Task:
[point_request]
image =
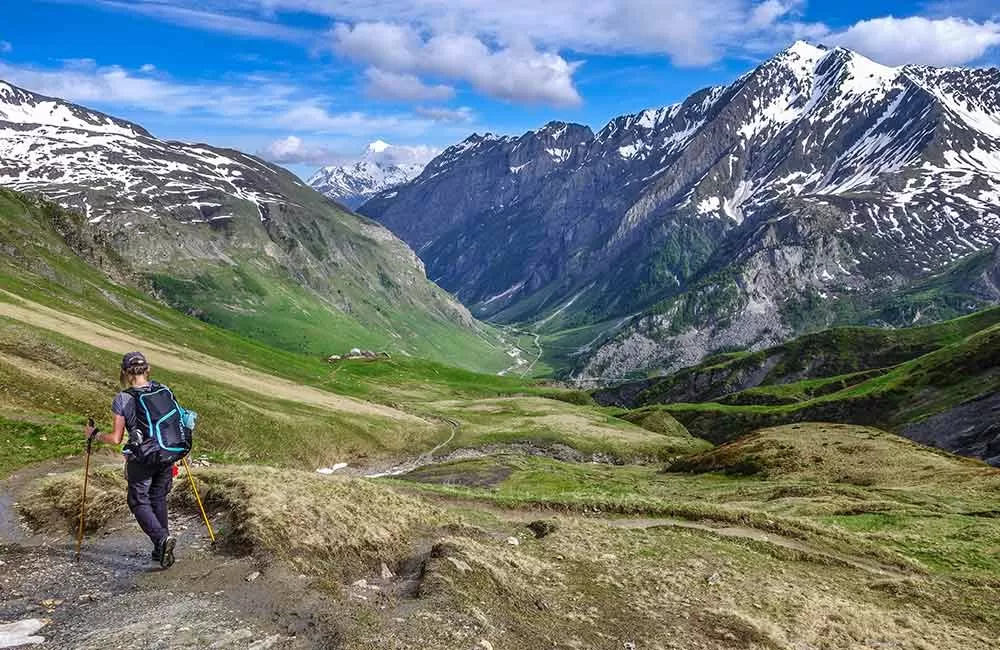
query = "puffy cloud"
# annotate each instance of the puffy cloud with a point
(768, 12)
(293, 151)
(148, 68)
(394, 154)
(690, 32)
(939, 42)
(516, 50)
(460, 115)
(518, 73)
(6, 47)
(312, 117)
(394, 85)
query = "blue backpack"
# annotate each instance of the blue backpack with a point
(164, 431)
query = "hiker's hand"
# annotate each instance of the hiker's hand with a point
(91, 430)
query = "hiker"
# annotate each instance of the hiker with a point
(157, 437)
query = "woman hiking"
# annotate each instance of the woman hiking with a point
(148, 417)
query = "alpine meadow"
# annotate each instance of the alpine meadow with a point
(709, 360)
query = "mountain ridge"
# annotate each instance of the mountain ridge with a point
(235, 240)
(818, 173)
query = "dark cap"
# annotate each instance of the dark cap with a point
(133, 360)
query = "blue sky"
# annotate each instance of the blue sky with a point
(304, 82)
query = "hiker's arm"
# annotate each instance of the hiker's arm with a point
(117, 432)
(116, 435)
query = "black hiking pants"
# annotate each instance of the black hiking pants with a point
(148, 486)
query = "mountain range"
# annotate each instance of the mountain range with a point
(233, 239)
(382, 167)
(819, 188)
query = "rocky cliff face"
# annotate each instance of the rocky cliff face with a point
(744, 214)
(185, 211)
(987, 285)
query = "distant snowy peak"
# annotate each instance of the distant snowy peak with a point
(353, 184)
(382, 167)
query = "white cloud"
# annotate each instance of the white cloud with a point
(768, 12)
(147, 68)
(689, 32)
(518, 73)
(395, 154)
(460, 115)
(311, 117)
(176, 13)
(256, 103)
(939, 42)
(392, 85)
(6, 47)
(293, 151)
(527, 51)
(86, 82)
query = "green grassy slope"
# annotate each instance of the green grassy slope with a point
(50, 255)
(896, 398)
(842, 488)
(811, 363)
(64, 323)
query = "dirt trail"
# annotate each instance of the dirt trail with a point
(730, 531)
(115, 597)
(190, 361)
(422, 460)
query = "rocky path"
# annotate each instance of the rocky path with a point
(115, 597)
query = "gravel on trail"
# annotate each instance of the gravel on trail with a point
(116, 597)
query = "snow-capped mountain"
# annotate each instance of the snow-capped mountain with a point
(382, 167)
(797, 196)
(204, 223)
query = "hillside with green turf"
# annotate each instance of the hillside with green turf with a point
(938, 384)
(55, 256)
(69, 308)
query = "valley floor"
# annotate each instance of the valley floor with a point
(806, 536)
(475, 511)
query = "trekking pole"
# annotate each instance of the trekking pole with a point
(197, 497)
(83, 501)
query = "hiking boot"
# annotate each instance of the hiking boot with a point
(165, 549)
(155, 554)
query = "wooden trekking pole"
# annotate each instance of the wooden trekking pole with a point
(83, 500)
(197, 497)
